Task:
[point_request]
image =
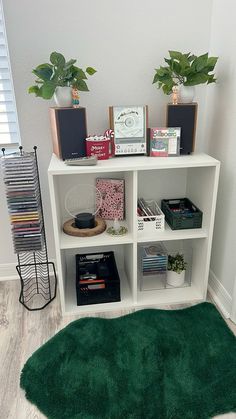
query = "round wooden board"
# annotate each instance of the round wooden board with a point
(69, 228)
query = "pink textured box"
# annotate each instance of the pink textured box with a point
(113, 198)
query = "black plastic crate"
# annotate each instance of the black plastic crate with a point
(181, 213)
(97, 278)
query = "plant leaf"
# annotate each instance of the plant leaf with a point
(168, 61)
(187, 71)
(201, 62)
(90, 70)
(176, 67)
(167, 88)
(81, 85)
(198, 78)
(48, 89)
(211, 62)
(211, 79)
(176, 55)
(80, 74)
(184, 63)
(43, 72)
(191, 57)
(57, 59)
(69, 64)
(156, 78)
(33, 89)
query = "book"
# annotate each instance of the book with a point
(112, 192)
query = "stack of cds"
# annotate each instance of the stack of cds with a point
(23, 200)
(154, 259)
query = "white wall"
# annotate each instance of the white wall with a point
(124, 40)
(221, 133)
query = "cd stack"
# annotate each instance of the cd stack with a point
(23, 200)
(154, 260)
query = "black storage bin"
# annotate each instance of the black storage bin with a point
(181, 213)
(97, 278)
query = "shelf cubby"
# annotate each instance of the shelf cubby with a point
(123, 256)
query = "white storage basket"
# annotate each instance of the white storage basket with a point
(150, 224)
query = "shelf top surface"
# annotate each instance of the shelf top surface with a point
(130, 163)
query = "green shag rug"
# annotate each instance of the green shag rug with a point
(152, 364)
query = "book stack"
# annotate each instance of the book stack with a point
(23, 200)
(154, 260)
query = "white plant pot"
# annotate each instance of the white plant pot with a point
(174, 279)
(63, 97)
(186, 94)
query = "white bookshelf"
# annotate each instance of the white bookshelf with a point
(195, 176)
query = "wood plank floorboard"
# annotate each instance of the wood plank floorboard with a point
(21, 333)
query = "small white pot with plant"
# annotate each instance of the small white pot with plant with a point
(185, 71)
(57, 79)
(176, 270)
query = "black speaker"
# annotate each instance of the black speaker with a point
(69, 130)
(184, 115)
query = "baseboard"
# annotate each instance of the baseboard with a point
(233, 311)
(219, 294)
(8, 272)
(217, 291)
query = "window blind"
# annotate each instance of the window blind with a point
(9, 127)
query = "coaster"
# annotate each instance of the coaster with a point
(69, 228)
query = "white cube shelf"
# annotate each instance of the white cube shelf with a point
(195, 176)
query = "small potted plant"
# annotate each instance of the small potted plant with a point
(185, 71)
(58, 78)
(176, 270)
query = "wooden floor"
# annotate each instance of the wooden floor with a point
(21, 333)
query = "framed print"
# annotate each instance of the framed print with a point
(164, 142)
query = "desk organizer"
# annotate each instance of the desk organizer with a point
(146, 224)
(21, 178)
(181, 213)
(97, 278)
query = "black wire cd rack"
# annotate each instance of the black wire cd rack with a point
(37, 275)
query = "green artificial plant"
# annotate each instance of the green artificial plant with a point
(186, 69)
(176, 263)
(59, 72)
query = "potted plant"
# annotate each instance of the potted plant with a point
(58, 78)
(186, 71)
(176, 270)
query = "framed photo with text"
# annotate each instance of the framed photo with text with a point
(164, 142)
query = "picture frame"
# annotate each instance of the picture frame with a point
(164, 141)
